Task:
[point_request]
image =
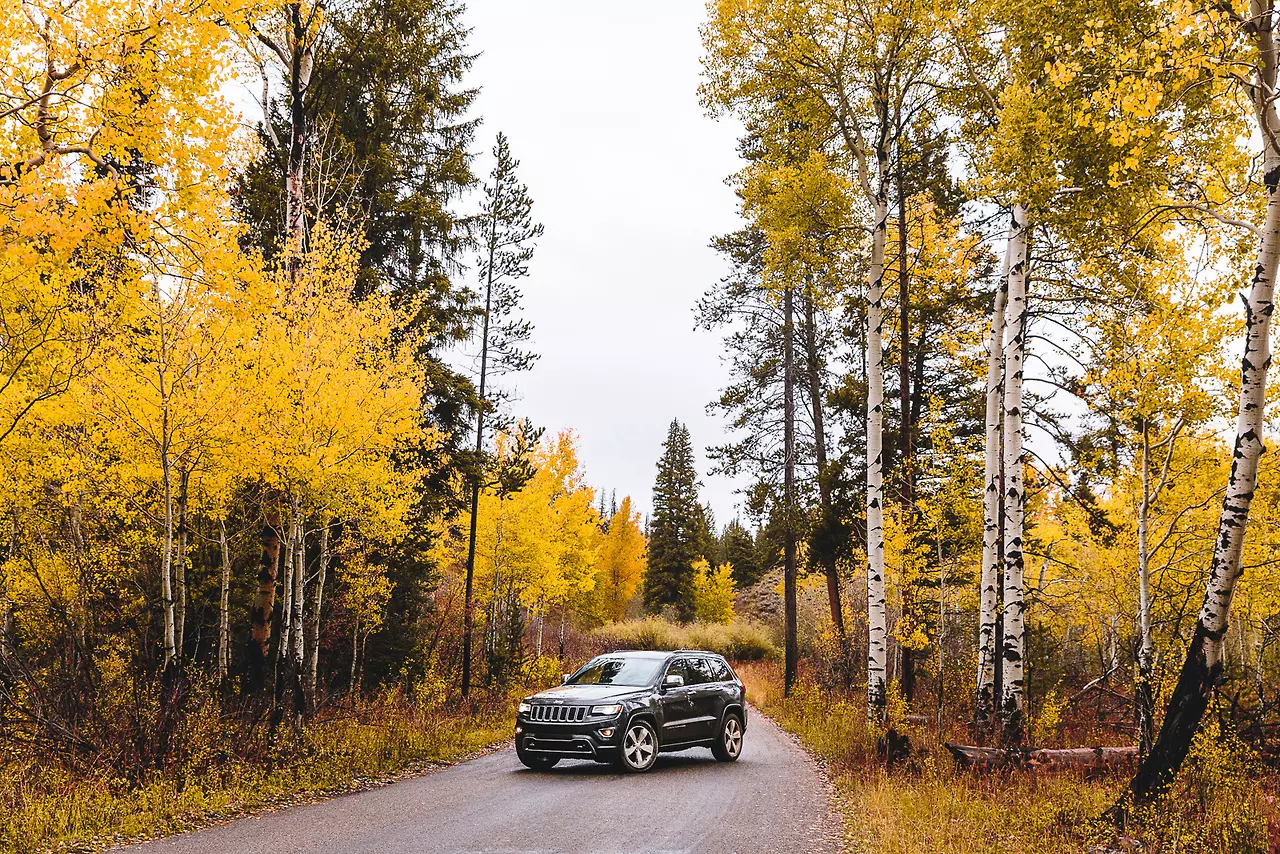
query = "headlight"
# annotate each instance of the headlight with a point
(611, 709)
(523, 708)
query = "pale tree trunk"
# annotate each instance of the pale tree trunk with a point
(298, 651)
(792, 650)
(1012, 653)
(283, 659)
(166, 562)
(1204, 663)
(989, 592)
(180, 565)
(355, 656)
(317, 602)
(877, 621)
(224, 597)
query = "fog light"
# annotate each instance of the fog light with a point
(519, 730)
(608, 733)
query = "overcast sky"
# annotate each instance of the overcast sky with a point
(599, 100)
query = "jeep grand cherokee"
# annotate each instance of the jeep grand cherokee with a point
(625, 707)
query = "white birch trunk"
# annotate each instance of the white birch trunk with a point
(1205, 657)
(286, 600)
(877, 622)
(317, 603)
(1013, 695)
(989, 595)
(166, 562)
(180, 568)
(224, 597)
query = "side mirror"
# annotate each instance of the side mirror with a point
(673, 680)
(564, 678)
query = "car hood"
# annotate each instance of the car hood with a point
(588, 693)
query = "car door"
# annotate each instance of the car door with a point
(705, 697)
(677, 704)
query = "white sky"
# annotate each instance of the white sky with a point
(599, 100)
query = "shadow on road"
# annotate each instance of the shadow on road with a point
(577, 768)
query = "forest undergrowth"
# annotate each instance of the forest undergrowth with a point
(233, 764)
(1222, 802)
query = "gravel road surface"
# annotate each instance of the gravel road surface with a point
(771, 801)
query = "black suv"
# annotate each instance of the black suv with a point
(624, 707)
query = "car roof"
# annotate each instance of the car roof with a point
(653, 653)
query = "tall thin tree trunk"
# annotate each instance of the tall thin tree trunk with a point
(877, 620)
(224, 598)
(1204, 663)
(813, 362)
(907, 674)
(355, 657)
(1144, 699)
(1013, 698)
(166, 563)
(792, 652)
(989, 590)
(468, 608)
(264, 603)
(298, 652)
(317, 603)
(180, 565)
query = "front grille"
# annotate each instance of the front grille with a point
(558, 714)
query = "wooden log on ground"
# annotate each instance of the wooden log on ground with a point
(1092, 759)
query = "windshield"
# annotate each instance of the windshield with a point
(617, 671)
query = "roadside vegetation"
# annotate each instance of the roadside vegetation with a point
(230, 767)
(272, 522)
(1222, 800)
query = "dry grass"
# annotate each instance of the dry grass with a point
(1219, 804)
(739, 640)
(47, 807)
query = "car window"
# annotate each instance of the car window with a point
(616, 670)
(701, 670)
(680, 667)
(719, 669)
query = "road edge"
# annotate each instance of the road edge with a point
(835, 801)
(206, 821)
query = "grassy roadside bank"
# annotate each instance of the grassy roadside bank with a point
(1219, 804)
(47, 807)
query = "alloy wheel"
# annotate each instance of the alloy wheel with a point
(638, 747)
(732, 737)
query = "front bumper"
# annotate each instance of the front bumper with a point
(598, 739)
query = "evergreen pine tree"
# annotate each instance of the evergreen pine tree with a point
(739, 550)
(674, 537)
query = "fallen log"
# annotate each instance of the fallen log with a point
(1093, 759)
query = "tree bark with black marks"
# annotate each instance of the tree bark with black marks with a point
(317, 604)
(224, 597)
(877, 618)
(989, 581)
(1013, 643)
(1204, 664)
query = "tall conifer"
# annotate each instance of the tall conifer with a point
(674, 539)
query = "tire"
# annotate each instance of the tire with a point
(639, 749)
(537, 763)
(728, 744)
